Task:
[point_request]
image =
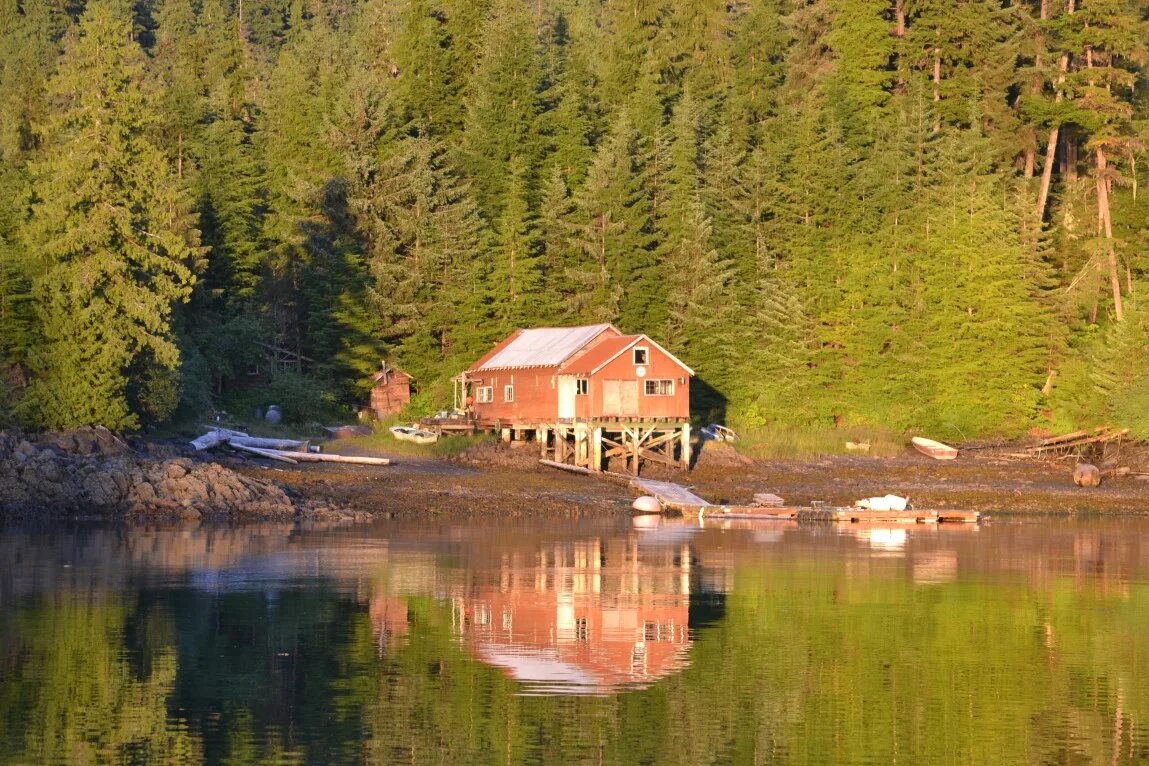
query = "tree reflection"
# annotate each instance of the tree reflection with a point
(799, 649)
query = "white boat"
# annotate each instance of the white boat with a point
(885, 503)
(718, 433)
(413, 434)
(936, 450)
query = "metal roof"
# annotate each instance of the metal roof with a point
(543, 347)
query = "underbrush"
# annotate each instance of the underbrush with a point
(805, 442)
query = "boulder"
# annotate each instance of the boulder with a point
(1087, 475)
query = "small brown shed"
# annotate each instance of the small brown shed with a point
(391, 392)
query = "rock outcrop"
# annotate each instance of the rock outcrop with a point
(91, 471)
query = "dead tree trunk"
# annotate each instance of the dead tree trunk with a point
(1110, 252)
(1051, 146)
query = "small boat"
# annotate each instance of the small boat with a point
(931, 448)
(718, 433)
(886, 503)
(413, 434)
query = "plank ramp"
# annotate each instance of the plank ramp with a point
(671, 495)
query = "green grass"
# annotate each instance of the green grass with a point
(447, 446)
(790, 442)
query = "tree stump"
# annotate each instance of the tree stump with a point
(1086, 475)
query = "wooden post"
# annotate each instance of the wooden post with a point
(581, 453)
(541, 435)
(685, 448)
(635, 441)
(506, 435)
(596, 449)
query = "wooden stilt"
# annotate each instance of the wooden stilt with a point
(684, 455)
(636, 450)
(596, 449)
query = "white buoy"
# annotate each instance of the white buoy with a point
(647, 504)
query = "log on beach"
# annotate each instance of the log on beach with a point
(209, 440)
(324, 457)
(290, 445)
(267, 453)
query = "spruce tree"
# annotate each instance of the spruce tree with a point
(116, 240)
(514, 279)
(616, 278)
(503, 103)
(428, 257)
(561, 255)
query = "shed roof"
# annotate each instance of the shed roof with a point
(608, 350)
(541, 347)
(598, 355)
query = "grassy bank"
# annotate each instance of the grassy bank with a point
(790, 443)
(381, 440)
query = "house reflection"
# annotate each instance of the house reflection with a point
(582, 617)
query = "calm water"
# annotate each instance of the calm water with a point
(576, 643)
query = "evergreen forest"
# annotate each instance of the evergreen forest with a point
(914, 214)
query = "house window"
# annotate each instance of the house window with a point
(508, 393)
(485, 394)
(582, 386)
(641, 355)
(659, 387)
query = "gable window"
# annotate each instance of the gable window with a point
(641, 354)
(582, 386)
(508, 393)
(485, 394)
(659, 387)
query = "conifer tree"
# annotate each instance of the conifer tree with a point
(424, 61)
(118, 246)
(568, 122)
(616, 278)
(428, 258)
(503, 103)
(514, 279)
(561, 256)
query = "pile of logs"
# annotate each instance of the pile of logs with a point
(283, 450)
(1076, 439)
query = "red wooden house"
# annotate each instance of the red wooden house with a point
(589, 384)
(557, 374)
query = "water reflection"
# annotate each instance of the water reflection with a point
(673, 642)
(582, 616)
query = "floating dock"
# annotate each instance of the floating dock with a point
(678, 498)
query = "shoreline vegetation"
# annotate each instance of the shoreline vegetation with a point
(847, 214)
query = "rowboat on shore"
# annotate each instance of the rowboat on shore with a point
(931, 448)
(412, 434)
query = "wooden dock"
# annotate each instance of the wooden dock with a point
(678, 498)
(845, 515)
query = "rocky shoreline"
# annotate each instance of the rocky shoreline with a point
(91, 472)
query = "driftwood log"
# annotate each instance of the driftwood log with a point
(1087, 475)
(262, 443)
(267, 453)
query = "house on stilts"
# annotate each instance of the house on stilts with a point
(585, 394)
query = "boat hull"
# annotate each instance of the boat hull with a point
(931, 448)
